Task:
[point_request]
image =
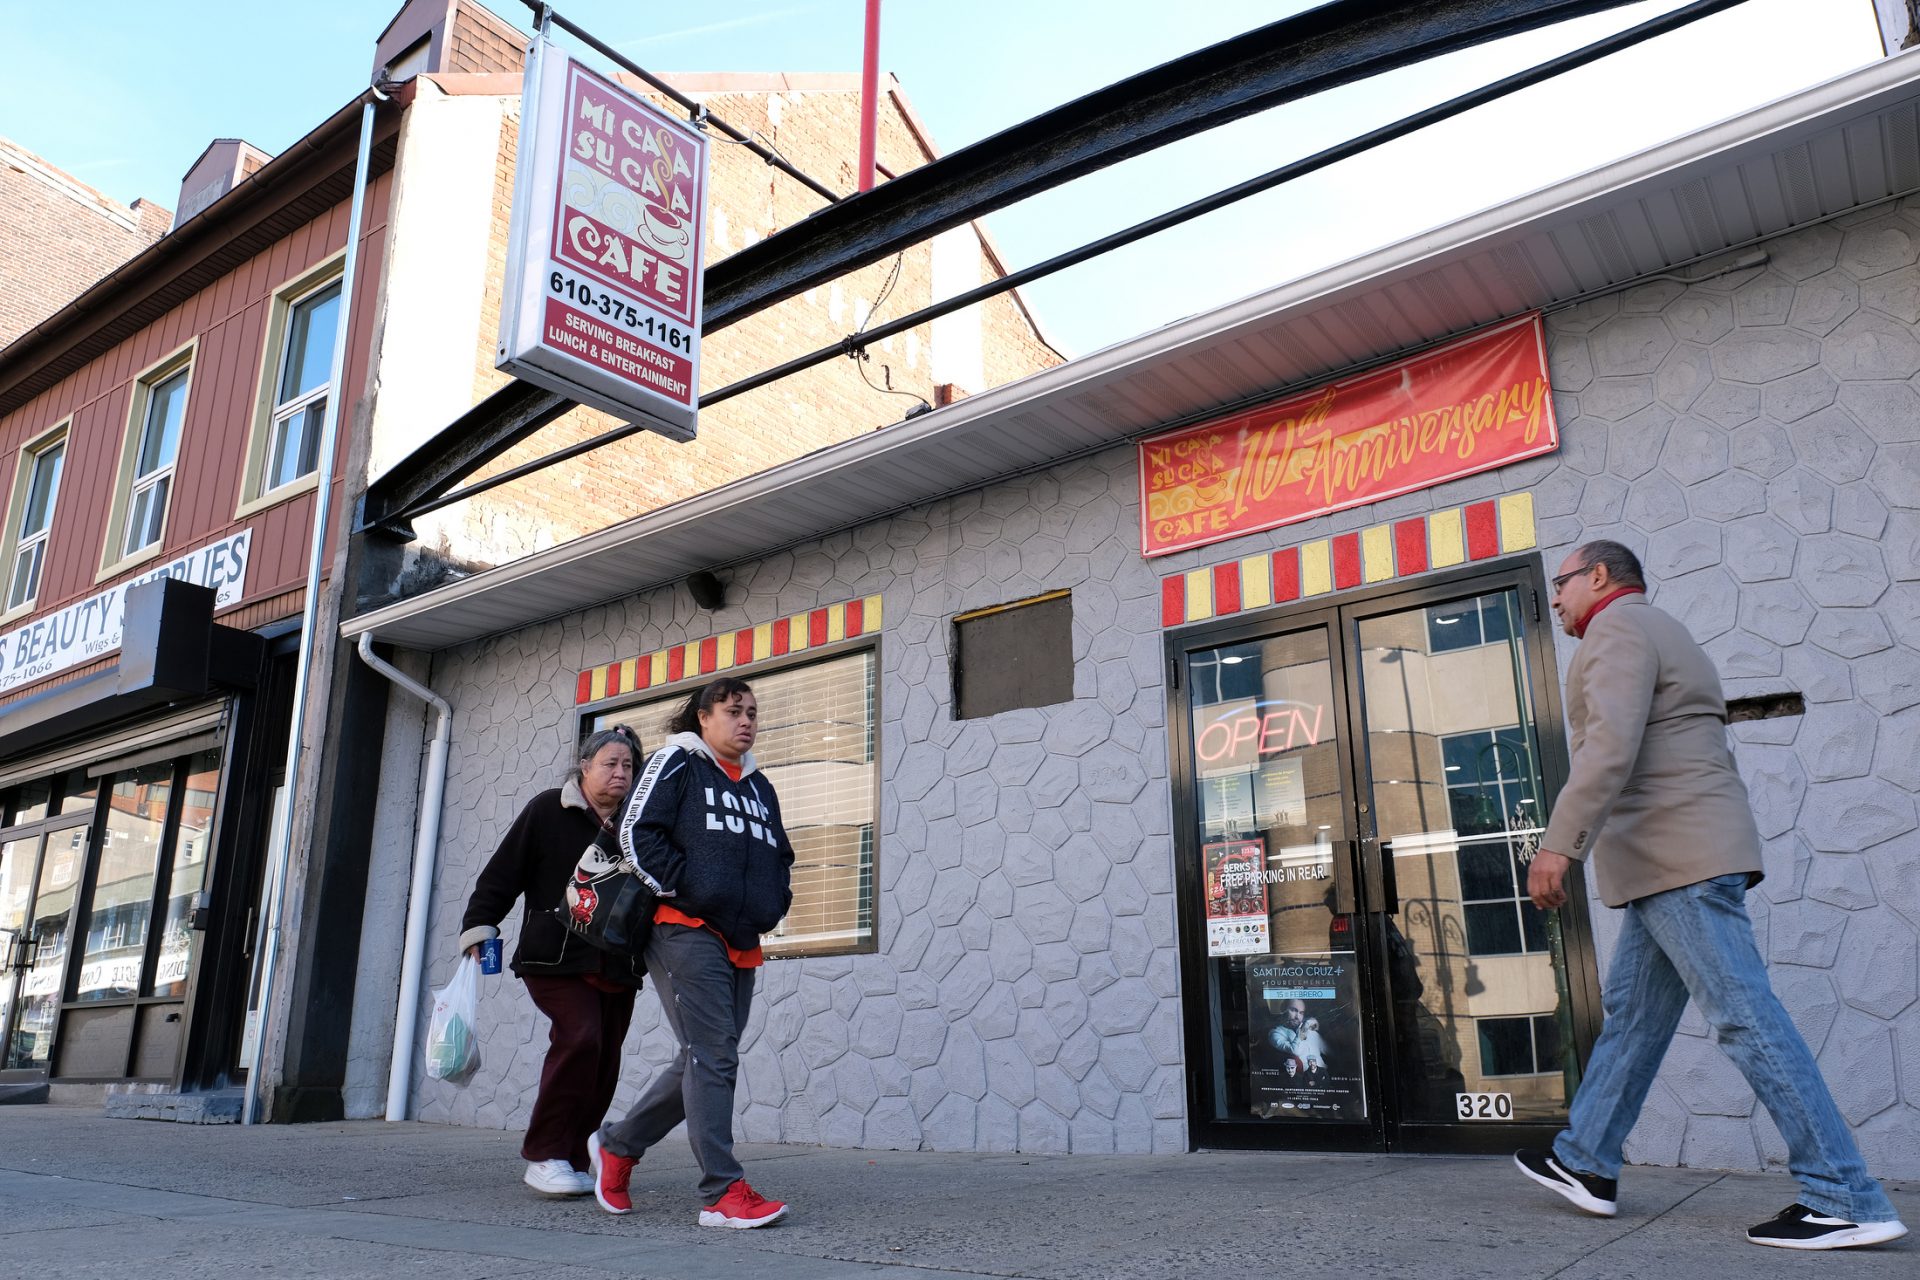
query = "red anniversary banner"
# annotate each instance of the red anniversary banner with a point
(1469, 406)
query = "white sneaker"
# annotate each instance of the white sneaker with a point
(557, 1178)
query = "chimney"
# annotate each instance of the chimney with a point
(221, 167)
(446, 35)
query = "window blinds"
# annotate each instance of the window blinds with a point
(817, 748)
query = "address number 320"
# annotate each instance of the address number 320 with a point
(1484, 1106)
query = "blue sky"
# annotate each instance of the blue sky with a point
(124, 94)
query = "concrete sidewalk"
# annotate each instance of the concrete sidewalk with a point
(81, 1195)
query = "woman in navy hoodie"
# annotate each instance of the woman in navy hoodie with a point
(702, 824)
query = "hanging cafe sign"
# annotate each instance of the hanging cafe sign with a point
(1470, 406)
(606, 254)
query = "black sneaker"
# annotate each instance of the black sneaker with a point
(1596, 1195)
(1798, 1227)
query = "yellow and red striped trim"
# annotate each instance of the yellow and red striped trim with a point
(1438, 540)
(697, 658)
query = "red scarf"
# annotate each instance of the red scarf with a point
(1580, 627)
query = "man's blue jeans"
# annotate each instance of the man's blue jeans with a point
(1698, 941)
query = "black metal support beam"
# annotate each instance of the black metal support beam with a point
(855, 344)
(1335, 44)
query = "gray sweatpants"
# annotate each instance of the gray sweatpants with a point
(706, 1001)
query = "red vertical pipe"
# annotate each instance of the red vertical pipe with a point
(869, 95)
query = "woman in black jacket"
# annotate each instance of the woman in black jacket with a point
(702, 825)
(586, 994)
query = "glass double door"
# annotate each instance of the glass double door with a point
(1362, 789)
(39, 879)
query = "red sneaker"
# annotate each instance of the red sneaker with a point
(742, 1207)
(610, 1176)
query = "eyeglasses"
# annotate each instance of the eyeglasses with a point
(1561, 581)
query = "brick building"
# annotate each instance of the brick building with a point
(61, 236)
(1033, 916)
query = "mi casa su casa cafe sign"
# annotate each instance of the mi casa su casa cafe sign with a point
(606, 254)
(1470, 406)
(92, 628)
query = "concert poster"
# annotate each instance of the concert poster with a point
(1303, 1024)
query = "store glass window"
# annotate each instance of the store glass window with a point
(1467, 624)
(817, 746)
(1492, 798)
(1519, 1046)
(188, 874)
(122, 906)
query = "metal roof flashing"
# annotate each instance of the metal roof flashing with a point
(1838, 146)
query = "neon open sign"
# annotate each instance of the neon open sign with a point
(1260, 729)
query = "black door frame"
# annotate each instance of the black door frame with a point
(138, 1002)
(41, 830)
(1339, 614)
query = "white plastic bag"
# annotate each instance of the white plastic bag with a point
(453, 1048)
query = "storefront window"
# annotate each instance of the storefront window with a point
(817, 747)
(36, 1005)
(1283, 982)
(78, 791)
(122, 908)
(29, 802)
(188, 874)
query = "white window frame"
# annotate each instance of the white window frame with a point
(27, 467)
(269, 412)
(115, 556)
(779, 946)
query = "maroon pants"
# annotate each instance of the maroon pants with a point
(582, 1068)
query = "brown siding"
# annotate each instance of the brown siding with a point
(229, 319)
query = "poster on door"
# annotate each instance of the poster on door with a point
(1303, 1027)
(1236, 897)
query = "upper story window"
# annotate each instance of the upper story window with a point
(36, 490)
(296, 378)
(153, 458)
(306, 370)
(143, 488)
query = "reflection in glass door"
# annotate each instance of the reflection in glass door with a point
(1282, 978)
(1360, 787)
(37, 926)
(1476, 976)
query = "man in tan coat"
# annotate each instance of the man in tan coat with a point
(1653, 770)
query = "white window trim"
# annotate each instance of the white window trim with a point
(10, 549)
(114, 559)
(266, 411)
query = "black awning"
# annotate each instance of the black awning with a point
(172, 653)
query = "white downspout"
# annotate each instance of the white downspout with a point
(282, 857)
(426, 850)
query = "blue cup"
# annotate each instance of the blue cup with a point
(490, 956)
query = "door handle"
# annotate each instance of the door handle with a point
(1383, 888)
(1345, 902)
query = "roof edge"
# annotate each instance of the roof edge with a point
(1405, 255)
(32, 348)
